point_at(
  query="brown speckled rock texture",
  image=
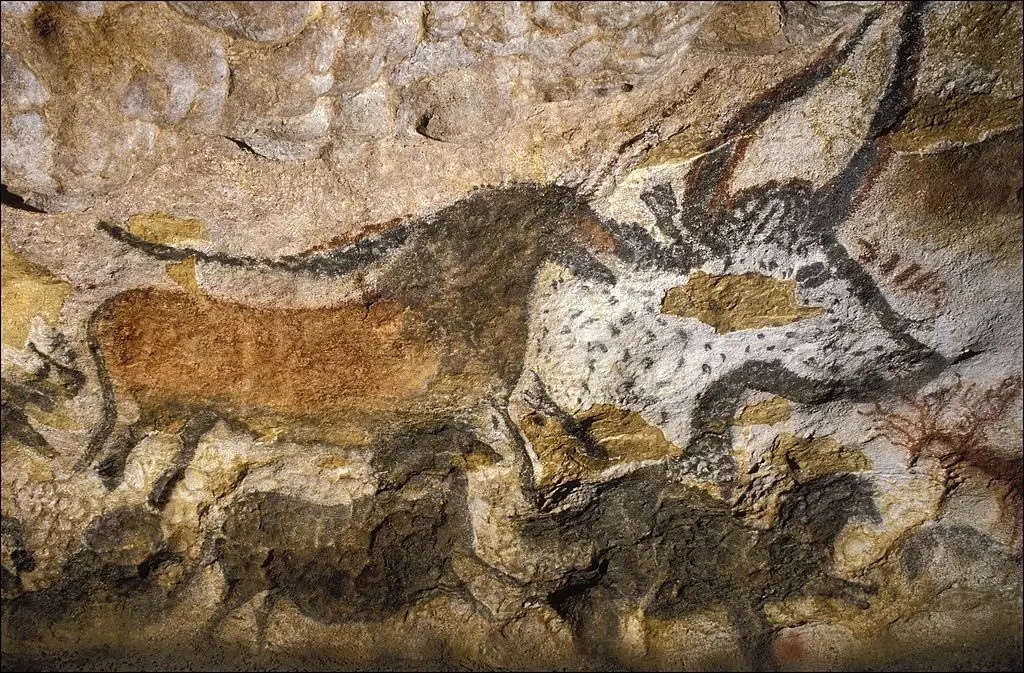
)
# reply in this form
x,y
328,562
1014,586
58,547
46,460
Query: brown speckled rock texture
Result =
x,y
501,335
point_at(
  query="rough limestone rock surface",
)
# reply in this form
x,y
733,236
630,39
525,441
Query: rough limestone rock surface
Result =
x,y
508,335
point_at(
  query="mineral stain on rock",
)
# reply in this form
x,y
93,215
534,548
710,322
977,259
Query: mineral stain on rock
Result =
x,y
767,412
184,274
731,303
816,456
29,290
164,228
576,448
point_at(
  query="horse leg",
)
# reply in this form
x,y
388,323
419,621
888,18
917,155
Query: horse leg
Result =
x,y
755,634
263,619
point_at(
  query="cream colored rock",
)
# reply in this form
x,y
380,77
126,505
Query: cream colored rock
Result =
x,y
251,20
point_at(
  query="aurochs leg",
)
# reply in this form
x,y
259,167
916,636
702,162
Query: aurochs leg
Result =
x,y
194,429
111,466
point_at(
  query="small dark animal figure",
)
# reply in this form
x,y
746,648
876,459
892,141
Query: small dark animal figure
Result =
x,y
674,550
122,552
51,383
358,562
18,558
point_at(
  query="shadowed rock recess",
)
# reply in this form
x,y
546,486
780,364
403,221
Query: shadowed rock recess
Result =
x,y
502,335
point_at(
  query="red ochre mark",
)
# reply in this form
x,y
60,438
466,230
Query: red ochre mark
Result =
x,y
790,649
347,239
596,236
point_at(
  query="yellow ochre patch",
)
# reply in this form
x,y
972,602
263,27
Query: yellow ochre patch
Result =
x,y
768,412
184,274
618,435
28,290
165,229
731,303
625,435
817,456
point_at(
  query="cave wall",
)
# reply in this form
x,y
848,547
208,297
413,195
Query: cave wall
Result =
x,y
656,336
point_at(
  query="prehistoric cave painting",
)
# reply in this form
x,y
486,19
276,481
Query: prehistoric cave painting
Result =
x,y
908,276
362,561
442,330
574,451
859,348
731,303
673,550
122,562
957,555
789,462
952,425
447,318
647,542
17,557
49,382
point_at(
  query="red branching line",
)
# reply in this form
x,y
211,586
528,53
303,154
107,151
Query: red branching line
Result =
x,y
950,425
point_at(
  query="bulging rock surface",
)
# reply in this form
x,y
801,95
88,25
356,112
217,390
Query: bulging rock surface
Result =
x,y
512,335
